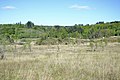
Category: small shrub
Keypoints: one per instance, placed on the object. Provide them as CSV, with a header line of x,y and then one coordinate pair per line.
x,y
23,40
119,40
105,41
39,41
91,45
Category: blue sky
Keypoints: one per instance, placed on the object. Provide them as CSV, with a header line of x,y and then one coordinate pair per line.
x,y
59,12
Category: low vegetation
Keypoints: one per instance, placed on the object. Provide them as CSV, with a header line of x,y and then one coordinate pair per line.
x,y
79,52
45,62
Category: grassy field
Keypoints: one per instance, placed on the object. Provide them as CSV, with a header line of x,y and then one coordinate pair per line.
x,y
61,62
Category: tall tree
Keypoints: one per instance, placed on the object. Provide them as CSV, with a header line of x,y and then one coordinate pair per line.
x,y
29,24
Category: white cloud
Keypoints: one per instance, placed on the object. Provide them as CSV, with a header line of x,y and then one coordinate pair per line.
x,y
8,7
80,7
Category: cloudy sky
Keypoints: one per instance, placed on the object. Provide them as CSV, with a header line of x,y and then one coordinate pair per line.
x,y
59,12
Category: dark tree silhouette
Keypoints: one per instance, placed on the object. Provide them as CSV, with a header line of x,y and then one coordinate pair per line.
x,y
29,24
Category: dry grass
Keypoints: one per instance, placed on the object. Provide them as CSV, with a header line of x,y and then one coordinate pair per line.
x,y
70,62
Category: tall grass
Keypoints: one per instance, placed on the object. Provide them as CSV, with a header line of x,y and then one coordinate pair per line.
x,y
68,65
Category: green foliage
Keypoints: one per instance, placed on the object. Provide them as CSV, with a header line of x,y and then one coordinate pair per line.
x,y
29,24
50,41
39,41
29,30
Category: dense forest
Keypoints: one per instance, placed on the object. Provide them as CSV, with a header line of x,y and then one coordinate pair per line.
x,y
12,32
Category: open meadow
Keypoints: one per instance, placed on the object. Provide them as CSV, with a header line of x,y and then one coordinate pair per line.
x,y
61,62
59,39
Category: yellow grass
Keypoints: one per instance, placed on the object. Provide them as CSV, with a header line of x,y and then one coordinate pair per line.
x,y
70,62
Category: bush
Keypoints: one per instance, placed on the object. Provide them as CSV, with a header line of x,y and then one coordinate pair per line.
x,y
48,41
39,41
119,40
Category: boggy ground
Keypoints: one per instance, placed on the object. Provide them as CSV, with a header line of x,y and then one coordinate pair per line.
x,y
61,62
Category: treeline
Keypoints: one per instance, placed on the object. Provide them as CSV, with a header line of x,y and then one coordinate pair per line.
x,y
29,30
